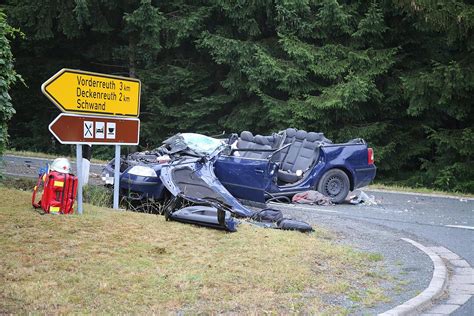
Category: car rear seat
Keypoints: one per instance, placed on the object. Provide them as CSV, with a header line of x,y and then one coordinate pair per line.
x,y
245,141
248,141
300,156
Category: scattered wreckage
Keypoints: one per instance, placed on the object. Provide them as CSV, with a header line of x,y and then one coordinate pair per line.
x,y
199,179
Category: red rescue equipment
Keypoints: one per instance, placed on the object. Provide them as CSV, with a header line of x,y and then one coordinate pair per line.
x,y
59,193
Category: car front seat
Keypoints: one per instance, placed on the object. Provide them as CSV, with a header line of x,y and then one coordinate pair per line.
x,y
301,156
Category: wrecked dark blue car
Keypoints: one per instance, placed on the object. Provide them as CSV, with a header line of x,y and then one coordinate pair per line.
x,y
253,169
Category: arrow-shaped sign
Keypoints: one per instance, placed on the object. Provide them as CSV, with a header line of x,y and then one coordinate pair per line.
x,y
95,130
80,91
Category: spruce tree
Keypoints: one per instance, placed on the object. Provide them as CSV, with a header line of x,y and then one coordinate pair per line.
x,y
439,89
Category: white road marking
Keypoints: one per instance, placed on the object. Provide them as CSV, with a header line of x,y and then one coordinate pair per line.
x,y
321,210
304,207
460,226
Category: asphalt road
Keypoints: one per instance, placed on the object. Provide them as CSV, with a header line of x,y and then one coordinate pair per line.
x,y
432,221
444,221
29,167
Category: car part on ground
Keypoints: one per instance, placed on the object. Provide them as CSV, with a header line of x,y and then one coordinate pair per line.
x,y
311,197
267,215
199,198
203,212
291,224
363,198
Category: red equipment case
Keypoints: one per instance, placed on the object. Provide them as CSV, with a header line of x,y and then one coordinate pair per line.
x,y
59,193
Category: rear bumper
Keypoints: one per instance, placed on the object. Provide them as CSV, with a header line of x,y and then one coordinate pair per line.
x,y
364,176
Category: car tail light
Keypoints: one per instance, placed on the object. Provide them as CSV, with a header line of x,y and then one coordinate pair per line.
x,y
370,154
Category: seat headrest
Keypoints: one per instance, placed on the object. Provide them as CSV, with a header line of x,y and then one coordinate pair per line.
x,y
271,138
259,139
312,136
301,134
290,132
247,136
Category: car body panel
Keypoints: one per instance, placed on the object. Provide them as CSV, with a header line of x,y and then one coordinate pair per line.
x,y
203,172
245,178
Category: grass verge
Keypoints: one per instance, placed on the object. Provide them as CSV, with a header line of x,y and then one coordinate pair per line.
x,y
124,262
92,194
20,183
380,186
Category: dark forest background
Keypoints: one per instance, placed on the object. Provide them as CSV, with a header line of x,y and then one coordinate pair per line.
x,y
398,73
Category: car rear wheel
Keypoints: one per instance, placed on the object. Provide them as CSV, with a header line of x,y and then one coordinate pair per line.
x,y
335,184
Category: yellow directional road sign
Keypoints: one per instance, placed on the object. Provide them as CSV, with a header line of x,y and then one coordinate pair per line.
x,y
80,91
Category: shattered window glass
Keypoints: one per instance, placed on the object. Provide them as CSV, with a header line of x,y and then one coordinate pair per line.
x,y
201,143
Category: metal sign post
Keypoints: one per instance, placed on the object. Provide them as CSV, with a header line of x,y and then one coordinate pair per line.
x,y
79,177
116,177
116,99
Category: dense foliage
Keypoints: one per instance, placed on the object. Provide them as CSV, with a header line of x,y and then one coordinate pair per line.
x,y
8,77
398,73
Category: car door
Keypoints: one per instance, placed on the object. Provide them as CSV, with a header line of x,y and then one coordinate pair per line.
x,y
245,178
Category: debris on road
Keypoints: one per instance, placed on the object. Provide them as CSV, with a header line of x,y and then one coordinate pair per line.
x,y
363,198
311,197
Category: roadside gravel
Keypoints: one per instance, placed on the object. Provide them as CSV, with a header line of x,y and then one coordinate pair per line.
x,y
408,270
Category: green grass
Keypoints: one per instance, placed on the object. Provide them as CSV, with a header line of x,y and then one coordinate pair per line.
x,y
98,195
34,154
20,183
124,262
380,186
374,257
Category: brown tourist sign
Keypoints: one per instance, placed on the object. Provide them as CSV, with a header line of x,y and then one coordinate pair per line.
x,y
95,130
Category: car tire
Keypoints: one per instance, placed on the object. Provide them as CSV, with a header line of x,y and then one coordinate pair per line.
x,y
334,184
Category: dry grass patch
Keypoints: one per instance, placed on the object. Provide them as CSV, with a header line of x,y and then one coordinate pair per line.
x,y
123,262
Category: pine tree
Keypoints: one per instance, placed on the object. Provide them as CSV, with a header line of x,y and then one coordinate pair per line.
x,y
8,77
315,65
439,89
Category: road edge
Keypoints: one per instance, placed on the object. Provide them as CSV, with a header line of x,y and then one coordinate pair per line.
x,y
71,159
435,195
434,290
